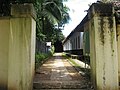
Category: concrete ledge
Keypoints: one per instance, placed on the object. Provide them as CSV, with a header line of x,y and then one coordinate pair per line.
x,y
23,10
100,9
73,56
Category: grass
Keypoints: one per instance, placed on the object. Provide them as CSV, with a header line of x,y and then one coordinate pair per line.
x,y
71,60
83,71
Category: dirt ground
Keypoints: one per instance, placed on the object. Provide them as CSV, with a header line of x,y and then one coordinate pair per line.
x,y
58,74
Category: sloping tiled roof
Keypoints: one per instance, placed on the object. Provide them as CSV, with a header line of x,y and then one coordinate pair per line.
x,y
79,28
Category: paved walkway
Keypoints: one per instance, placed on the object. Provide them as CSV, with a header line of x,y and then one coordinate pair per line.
x,y
58,74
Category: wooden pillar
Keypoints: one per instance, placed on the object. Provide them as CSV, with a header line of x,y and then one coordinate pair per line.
x,y
17,48
103,47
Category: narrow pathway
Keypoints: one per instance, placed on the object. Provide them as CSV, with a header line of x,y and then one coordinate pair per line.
x,y
58,73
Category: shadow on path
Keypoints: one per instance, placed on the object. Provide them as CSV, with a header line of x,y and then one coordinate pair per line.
x,y
58,73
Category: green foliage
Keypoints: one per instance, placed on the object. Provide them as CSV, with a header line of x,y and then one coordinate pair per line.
x,y
53,34
52,50
40,58
49,14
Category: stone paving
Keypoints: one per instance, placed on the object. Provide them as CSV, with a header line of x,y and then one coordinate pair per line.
x,y
58,74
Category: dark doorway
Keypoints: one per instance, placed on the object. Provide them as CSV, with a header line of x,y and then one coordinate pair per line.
x,y
58,46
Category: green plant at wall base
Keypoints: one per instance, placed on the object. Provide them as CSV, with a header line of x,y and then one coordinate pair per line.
x,y
40,58
52,50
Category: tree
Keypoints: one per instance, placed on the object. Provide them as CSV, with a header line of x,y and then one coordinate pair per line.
x,y
50,14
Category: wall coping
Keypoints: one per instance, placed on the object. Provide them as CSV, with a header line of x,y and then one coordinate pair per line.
x,y
23,10
100,9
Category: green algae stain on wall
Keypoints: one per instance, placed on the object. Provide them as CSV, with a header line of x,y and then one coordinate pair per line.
x,y
101,29
112,33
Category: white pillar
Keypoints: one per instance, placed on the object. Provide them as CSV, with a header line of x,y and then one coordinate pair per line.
x,y
103,47
118,47
17,54
4,51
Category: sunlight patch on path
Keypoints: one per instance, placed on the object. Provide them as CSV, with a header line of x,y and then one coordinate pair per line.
x,y
59,71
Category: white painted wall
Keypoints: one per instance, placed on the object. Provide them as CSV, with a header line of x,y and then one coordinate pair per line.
x,y
70,44
17,50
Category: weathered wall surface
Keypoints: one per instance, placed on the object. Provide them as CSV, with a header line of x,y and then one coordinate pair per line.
x,y
103,51
118,48
4,46
17,38
92,52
